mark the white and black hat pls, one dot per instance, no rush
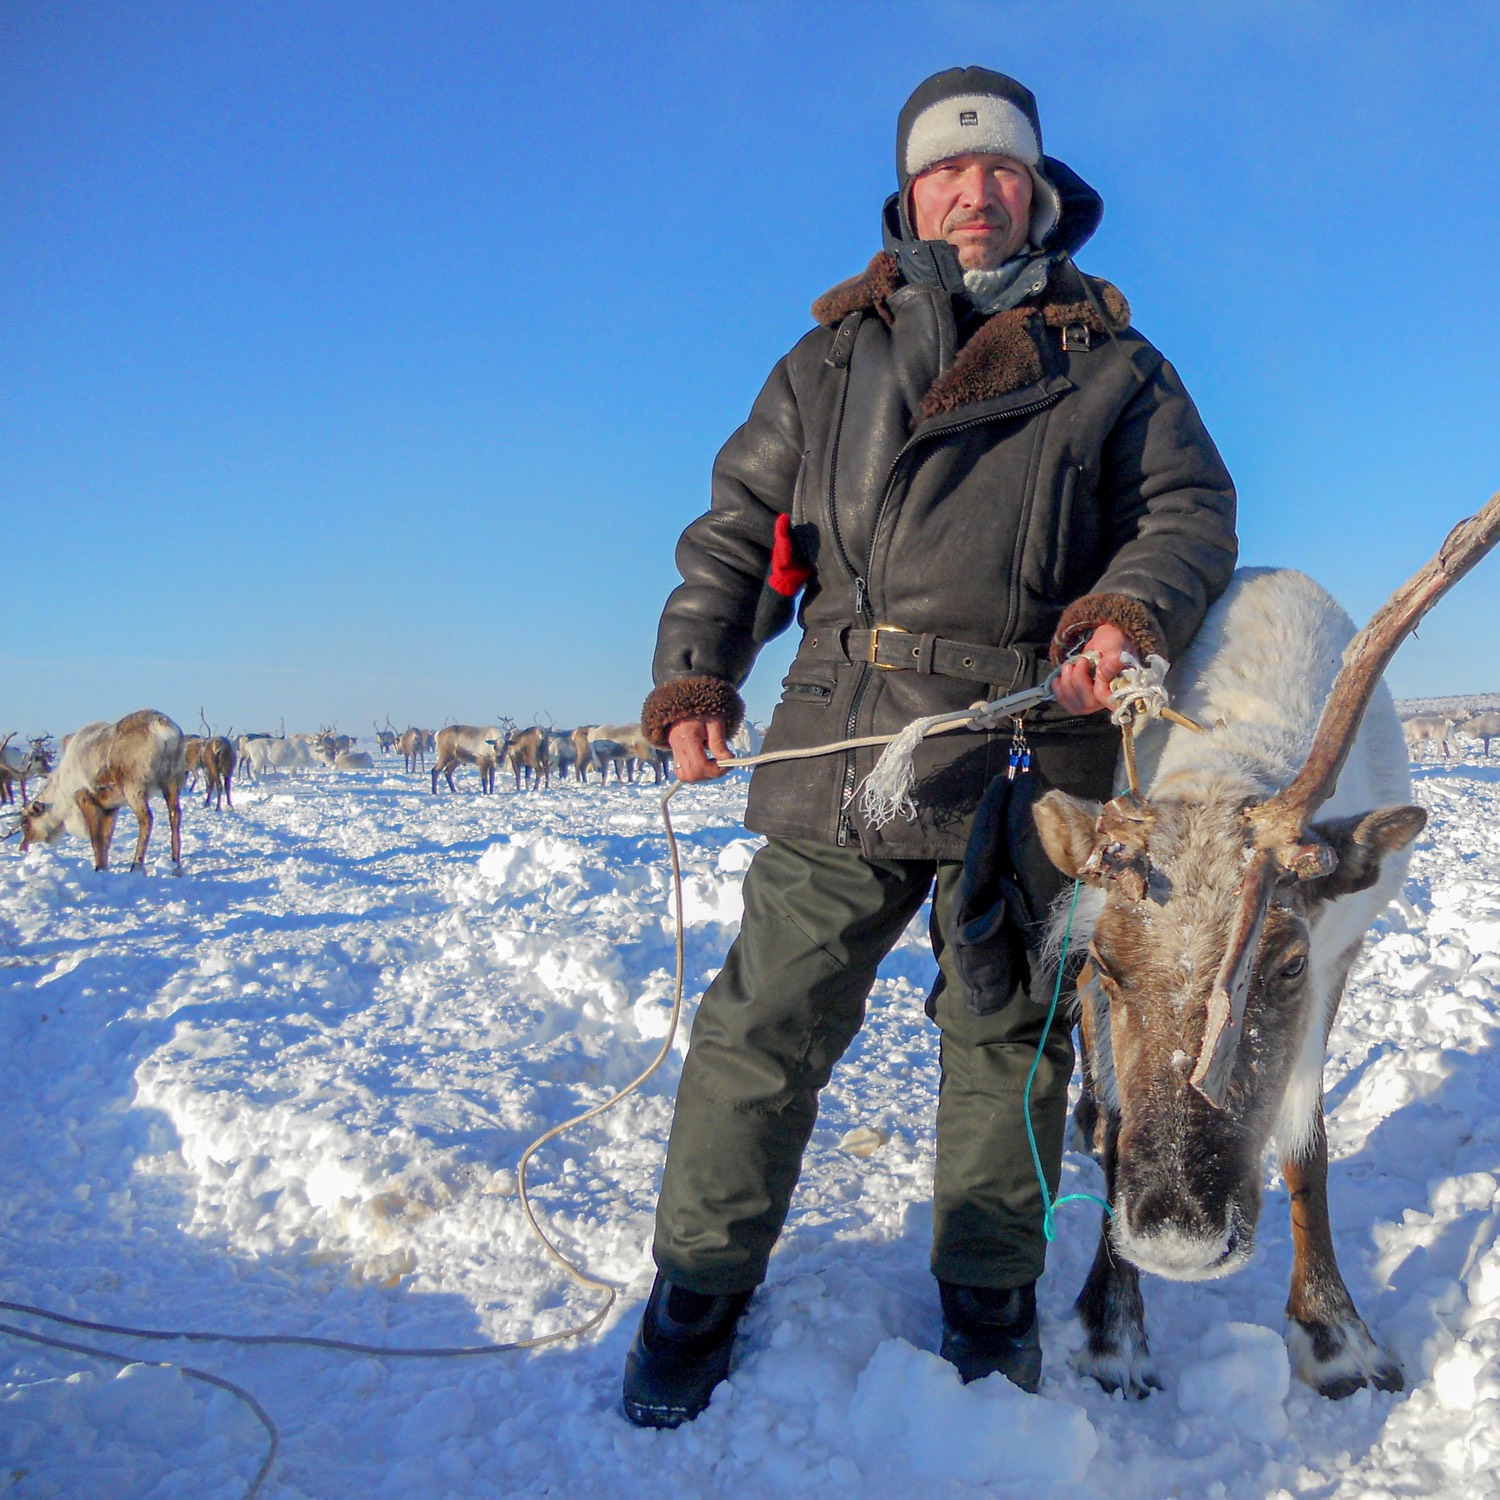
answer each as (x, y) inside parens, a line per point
(972, 109)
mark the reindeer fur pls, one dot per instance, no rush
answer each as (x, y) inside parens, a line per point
(1258, 672)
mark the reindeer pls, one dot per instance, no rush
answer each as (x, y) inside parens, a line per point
(1428, 729)
(1484, 725)
(106, 767)
(413, 747)
(464, 744)
(609, 744)
(218, 760)
(386, 738)
(354, 760)
(18, 766)
(562, 752)
(1221, 923)
(583, 753)
(261, 754)
(526, 753)
(643, 753)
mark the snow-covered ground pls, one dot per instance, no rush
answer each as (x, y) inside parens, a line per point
(286, 1094)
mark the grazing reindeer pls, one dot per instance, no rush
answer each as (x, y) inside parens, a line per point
(465, 744)
(1428, 729)
(106, 767)
(1221, 924)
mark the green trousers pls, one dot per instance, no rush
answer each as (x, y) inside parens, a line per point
(789, 1000)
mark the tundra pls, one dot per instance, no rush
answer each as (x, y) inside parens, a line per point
(467, 744)
(104, 768)
(1221, 922)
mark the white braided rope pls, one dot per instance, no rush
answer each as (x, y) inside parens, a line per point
(885, 794)
(1138, 691)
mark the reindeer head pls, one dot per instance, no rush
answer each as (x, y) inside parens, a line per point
(39, 824)
(1209, 986)
(1218, 956)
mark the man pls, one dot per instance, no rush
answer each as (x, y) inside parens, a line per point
(971, 468)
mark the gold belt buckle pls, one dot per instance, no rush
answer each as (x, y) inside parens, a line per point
(883, 666)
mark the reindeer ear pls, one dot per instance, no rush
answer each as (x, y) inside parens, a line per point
(1066, 824)
(1361, 843)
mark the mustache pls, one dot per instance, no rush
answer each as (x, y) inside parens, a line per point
(964, 219)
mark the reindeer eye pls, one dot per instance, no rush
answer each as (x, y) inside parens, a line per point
(1295, 969)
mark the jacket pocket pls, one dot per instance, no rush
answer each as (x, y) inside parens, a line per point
(808, 688)
(1075, 534)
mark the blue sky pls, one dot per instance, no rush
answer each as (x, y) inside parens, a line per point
(366, 359)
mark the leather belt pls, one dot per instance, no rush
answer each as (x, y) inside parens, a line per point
(892, 649)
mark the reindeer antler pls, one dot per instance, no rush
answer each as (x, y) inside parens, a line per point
(1286, 814)
(1278, 825)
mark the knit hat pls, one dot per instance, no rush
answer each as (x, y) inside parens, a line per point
(972, 109)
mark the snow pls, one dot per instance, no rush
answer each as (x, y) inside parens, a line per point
(287, 1094)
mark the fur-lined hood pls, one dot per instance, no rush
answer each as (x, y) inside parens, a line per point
(1003, 355)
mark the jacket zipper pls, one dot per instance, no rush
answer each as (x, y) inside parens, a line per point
(861, 584)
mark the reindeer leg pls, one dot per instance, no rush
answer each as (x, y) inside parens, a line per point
(1110, 1307)
(172, 796)
(1331, 1348)
(99, 823)
(142, 810)
(1087, 1133)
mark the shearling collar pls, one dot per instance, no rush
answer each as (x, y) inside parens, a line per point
(1004, 353)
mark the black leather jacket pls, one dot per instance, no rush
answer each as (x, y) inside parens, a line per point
(968, 491)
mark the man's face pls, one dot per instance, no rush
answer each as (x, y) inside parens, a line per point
(980, 203)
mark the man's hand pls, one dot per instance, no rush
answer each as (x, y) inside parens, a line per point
(1083, 687)
(696, 745)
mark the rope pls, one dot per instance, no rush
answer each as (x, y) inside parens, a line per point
(897, 763)
(110, 1356)
(310, 1341)
(1048, 1206)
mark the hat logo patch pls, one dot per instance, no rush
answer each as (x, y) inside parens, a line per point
(968, 117)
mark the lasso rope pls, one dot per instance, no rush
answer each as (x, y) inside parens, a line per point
(887, 793)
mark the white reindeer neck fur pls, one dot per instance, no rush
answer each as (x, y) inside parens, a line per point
(57, 794)
(1258, 674)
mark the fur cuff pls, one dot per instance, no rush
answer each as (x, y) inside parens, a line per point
(1079, 620)
(690, 698)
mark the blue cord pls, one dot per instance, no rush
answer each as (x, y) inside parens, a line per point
(1036, 1157)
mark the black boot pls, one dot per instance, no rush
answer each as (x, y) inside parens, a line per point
(986, 1330)
(681, 1352)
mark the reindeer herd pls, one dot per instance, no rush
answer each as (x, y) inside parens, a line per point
(104, 767)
